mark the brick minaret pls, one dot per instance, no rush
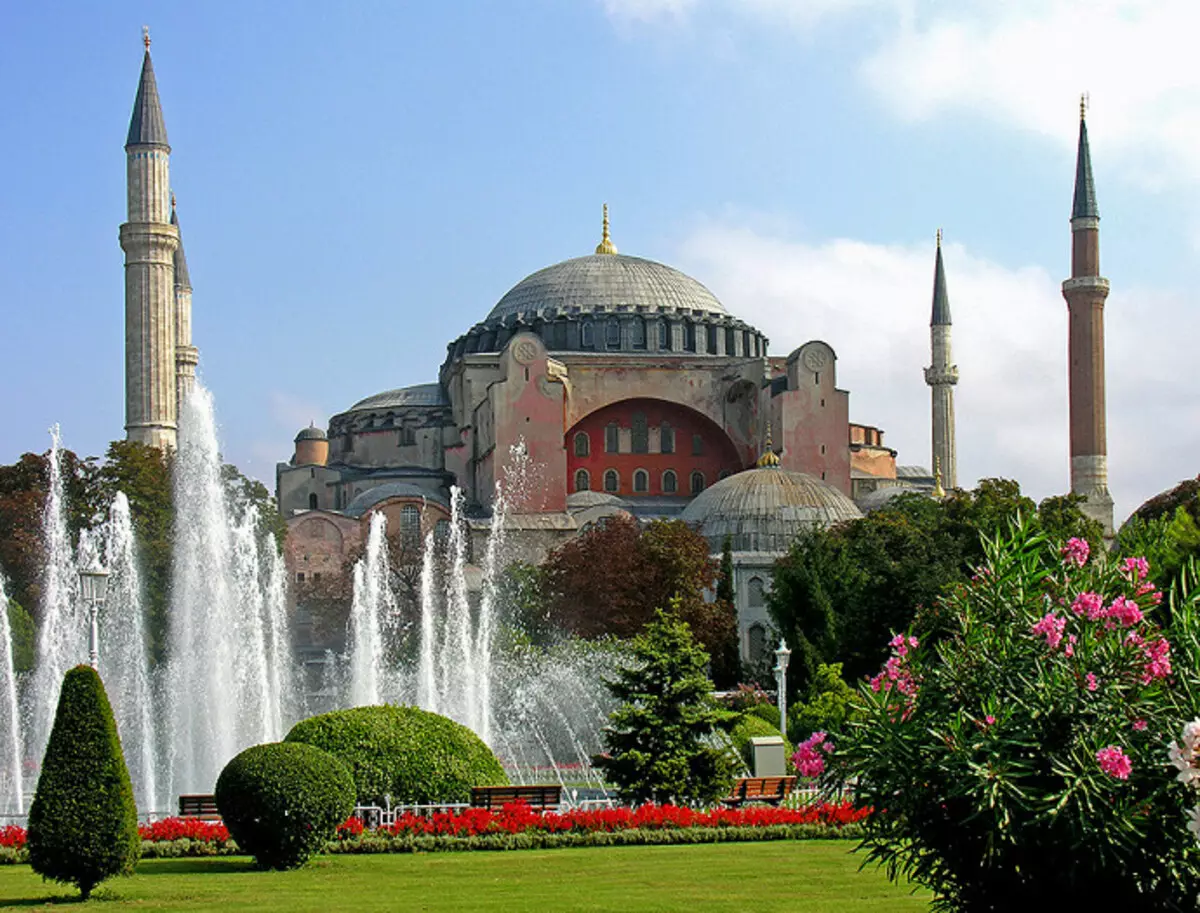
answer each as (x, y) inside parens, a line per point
(149, 241)
(1085, 292)
(941, 376)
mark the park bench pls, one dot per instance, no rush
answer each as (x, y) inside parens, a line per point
(198, 806)
(771, 790)
(539, 798)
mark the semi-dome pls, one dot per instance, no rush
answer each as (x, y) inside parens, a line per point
(605, 282)
(763, 510)
(417, 395)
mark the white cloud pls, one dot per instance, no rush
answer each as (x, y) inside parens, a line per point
(871, 303)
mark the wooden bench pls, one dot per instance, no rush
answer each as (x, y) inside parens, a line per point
(198, 806)
(539, 798)
(771, 790)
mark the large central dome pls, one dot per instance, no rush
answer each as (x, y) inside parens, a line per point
(605, 282)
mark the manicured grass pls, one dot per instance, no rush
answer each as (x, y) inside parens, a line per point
(809, 876)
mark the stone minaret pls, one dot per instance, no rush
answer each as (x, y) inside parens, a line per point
(187, 356)
(1085, 292)
(941, 376)
(149, 241)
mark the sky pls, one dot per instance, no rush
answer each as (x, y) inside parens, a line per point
(358, 184)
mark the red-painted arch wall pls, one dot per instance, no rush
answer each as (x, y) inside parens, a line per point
(717, 455)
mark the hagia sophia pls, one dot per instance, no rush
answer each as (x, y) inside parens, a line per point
(620, 384)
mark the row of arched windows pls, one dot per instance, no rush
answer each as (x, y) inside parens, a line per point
(641, 481)
(639, 438)
(656, 334)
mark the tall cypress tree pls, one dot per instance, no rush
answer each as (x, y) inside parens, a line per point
(83, 821)
(726, 657)
(656, 738)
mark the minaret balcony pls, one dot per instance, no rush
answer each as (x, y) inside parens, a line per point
(941, 376)
(1088, 282)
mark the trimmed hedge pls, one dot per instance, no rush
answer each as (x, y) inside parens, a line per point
(83, 821)
(751, 726)
(407, 754)
(282, 802)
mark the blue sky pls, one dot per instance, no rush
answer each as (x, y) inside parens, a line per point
(359, 183)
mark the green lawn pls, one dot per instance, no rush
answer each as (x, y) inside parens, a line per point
(809, 876)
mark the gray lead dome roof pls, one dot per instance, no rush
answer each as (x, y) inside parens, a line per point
(764, 510)
(606, 281)
(416, 395)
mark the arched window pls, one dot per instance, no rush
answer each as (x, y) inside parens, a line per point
(730, 340)
(689, 341)
(754, 593)
(712, 340)
(312, 502)
(612, 438)
(697, 482)
(666, 437)
(583, 444)
(697, 445)
(640, 438)
(441, 531)
(723, 474)
(670, 484)
(612, 482)
(664, 335)
(641, 481)
(583, 481)
(588, 335)
(757, 637)
(639, 333)
(612, 333)
(410, 526)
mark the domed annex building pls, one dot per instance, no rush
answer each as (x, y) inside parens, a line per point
(622, 385)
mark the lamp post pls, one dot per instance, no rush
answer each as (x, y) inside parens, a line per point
(782, 655)
(93, 586)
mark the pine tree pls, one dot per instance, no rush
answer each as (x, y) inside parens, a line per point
(726, 657)
(83, 821)
(657, 739)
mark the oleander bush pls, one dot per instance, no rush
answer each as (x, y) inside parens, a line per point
(1021, 761)
(403, 754)
(83, 821)
(283, 801)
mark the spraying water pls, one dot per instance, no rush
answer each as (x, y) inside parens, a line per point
(62, 635)
(124, 658)
(372, 614)
(12, 800)
(224, 688)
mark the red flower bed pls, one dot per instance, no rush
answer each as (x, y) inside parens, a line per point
(12, 836)
(180, 828)
(519, 817)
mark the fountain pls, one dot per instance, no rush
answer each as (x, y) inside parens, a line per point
(12, 800)
(229, 678)
(372, 613)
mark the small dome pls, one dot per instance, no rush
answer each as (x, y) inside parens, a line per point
(882, 497)
(417, 395)
(582, 500)
(311, 433)
(763, 510)
(604, 282)
(372, 496)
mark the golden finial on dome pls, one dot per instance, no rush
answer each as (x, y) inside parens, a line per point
(938, 491)
(146, 37)
(769, 458)
(606, 246)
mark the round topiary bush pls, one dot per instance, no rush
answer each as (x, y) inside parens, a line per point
(403, 753)
(282, 802)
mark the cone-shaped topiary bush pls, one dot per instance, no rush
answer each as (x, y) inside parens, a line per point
(406, 754)
(282, 802)
(83, 821)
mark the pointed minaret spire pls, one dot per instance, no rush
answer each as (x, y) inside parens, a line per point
(182, 279)
(1085, 293)
(606, 246)
(187, 356)
(941, 376)
(146, 126)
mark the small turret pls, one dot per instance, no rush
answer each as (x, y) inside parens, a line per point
(312, 447)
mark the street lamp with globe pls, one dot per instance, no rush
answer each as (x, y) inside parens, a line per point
(782, 656)
(93, 586)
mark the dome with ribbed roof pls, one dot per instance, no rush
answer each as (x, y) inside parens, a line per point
(311, 433)
(416, 395)
(603, 282)
(764, 510)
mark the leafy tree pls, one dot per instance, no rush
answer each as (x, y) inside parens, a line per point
(83, 821)
(522, 600)
(726, 657)
(827, 705)
(1165, 530)
(254, 494)
(24, 637)
(657, 741)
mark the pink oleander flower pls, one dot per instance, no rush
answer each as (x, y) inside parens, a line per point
(1114, 762)
(1069, 649)
(1075, 552)
(808, 759)
(1139, 725)
(1124, 611)
(989, 720)
(1136, 568)
(1089, 604)
(1051, 627)
(1092, 683)
(1158, 660)
(1183, 754)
